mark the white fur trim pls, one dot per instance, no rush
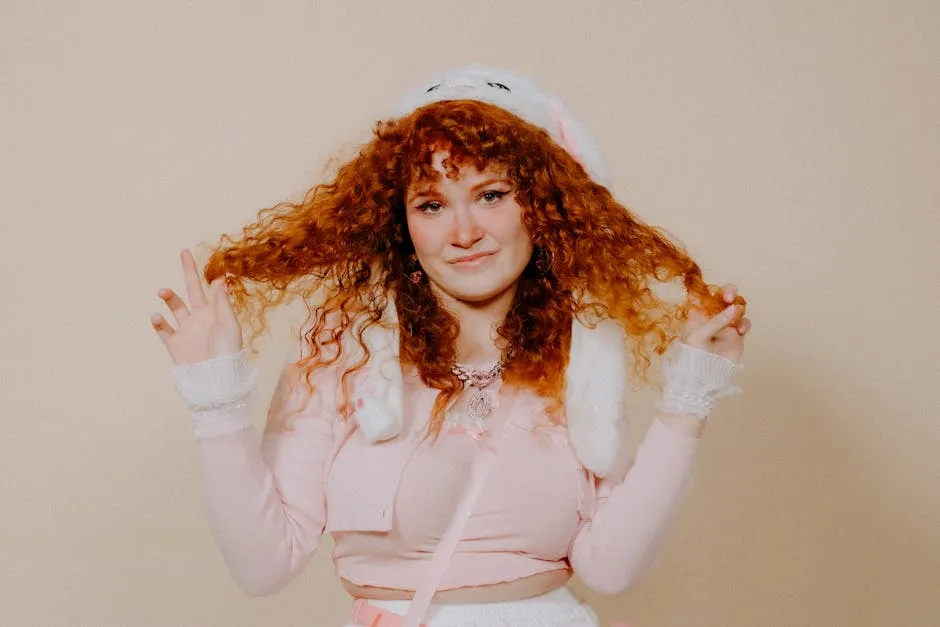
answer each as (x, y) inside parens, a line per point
(378, 395)
(526, 99)
(595, 385)
(595, 380)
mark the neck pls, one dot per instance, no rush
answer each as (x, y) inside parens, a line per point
(478, 342)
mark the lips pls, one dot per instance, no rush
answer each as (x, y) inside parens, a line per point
(473, 257)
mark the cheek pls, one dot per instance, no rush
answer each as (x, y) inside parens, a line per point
(509, 229)
(423, 235)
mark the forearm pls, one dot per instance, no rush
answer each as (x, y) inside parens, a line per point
(624, 537)
(684, 423)
(262, 543)
(266, 519)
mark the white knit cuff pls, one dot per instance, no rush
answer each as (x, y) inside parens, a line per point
(216, 391)
(694, 379)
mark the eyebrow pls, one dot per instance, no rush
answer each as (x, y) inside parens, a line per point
(429, 191)
(496, 178)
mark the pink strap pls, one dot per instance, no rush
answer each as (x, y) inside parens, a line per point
(445, 548)
(368, 615)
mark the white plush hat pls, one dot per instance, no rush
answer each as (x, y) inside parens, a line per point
(517, 94)
(596, 376)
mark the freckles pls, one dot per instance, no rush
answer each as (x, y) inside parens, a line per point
(428, 235)
(506, 224)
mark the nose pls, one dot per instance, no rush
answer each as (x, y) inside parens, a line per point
(467, 231)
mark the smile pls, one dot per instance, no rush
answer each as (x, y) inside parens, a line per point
(472, 261)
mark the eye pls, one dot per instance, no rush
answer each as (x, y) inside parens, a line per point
(492, 196)
(499, 86)
(432, 88)
(431, 206)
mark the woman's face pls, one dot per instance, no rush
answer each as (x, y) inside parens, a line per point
(468, 233)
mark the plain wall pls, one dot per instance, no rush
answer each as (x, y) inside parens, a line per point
(791, 146)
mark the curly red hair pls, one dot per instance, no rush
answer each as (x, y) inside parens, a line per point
(348, 238)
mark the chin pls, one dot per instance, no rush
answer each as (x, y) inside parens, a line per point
(479, 298)
(477, 291)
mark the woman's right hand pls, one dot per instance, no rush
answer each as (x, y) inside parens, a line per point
(207, 331)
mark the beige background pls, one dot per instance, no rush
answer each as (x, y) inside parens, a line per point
(793, 146)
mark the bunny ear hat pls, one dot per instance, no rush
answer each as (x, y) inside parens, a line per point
(519, 95)
(596, 376)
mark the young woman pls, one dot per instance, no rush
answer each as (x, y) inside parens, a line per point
(452, 413)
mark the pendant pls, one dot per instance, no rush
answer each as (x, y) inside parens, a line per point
(480, 405)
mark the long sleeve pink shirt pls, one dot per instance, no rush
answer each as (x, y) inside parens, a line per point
(387, 504)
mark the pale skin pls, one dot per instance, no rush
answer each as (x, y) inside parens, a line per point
(470, 241)
(450, 223)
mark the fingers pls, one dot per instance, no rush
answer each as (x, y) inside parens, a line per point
(702, 329)
(162, 327)
(223, 308)
(708, 329)
(175, 303)
(728, 292)
(734, 330)
(197, 297)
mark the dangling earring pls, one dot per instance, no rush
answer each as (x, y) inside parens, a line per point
(543, 261)
(415, 275)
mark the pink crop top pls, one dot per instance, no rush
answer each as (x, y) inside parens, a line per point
(522, 524)
(387, 504)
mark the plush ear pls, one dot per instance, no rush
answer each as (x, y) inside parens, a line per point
(595, 387)
(378, 395)
(579, 142)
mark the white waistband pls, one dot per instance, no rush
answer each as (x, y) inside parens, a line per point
(558, 608)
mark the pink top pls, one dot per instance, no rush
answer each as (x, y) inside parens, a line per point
(522, 524)
(387, 504)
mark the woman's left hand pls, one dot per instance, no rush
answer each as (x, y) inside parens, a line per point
(722, 334)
